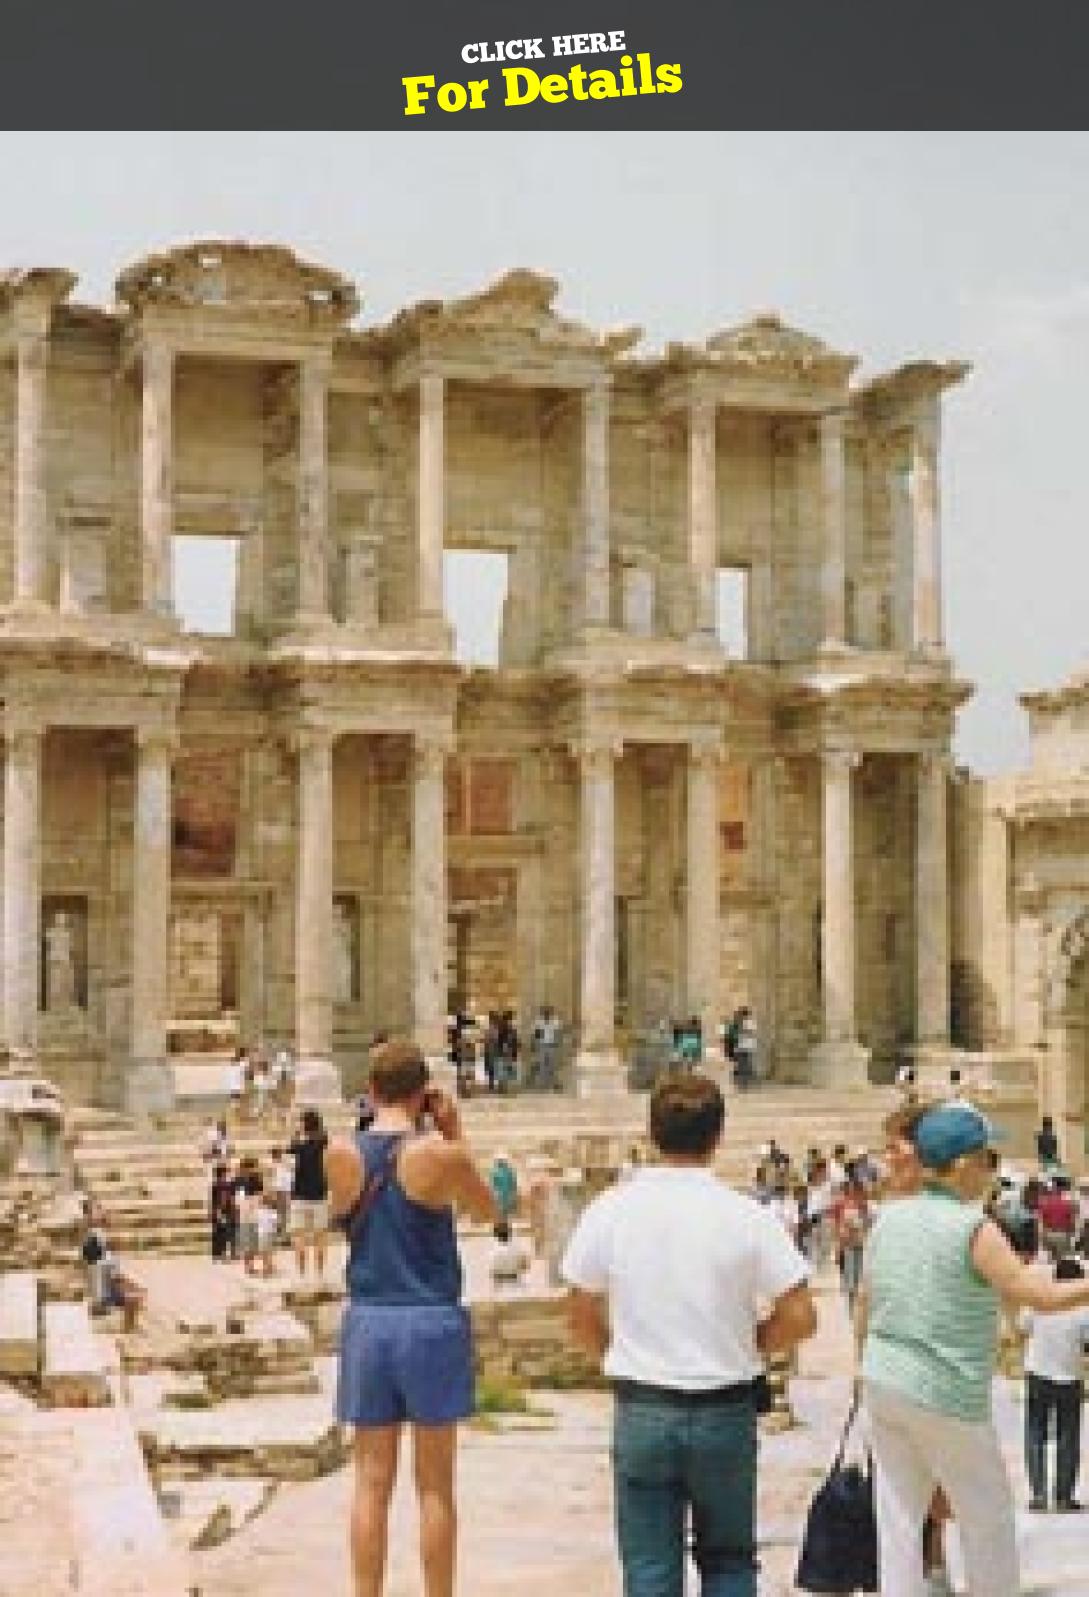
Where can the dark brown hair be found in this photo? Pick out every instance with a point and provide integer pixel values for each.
(687, 1113)
(398, 1071)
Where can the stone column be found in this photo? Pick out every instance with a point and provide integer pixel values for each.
(926, 525)
(597, 1066)
(22, 895)
(428, 897)
(596, 574)
(834, 533)
(317, 1080)
(702, 872)
(702, 516)
(932, 902)
(431, 496)
(31, 506)
(838, 1060)
(157, 478)
(313, 491)
(148, 1084)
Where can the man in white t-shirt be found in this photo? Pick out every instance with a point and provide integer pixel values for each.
(685, 1286)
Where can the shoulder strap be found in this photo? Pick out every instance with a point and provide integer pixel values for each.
(377, 1178)
(852, 1415)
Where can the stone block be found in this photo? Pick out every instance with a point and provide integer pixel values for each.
(74, 1366)
(19, 1345)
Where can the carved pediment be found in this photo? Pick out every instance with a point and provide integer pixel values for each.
(767, 344)
(519, 302)
(46, 285)
(262, 278)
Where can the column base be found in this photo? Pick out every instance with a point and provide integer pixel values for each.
(599, 1073)
(839, 1064)
(147, 1087)
(317, 1081)
(933, 1062)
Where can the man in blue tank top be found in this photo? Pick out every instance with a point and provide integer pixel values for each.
(406, 1349)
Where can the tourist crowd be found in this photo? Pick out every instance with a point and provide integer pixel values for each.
(256, 1207)
(684, 1287)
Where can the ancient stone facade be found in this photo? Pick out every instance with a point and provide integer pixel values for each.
(321, 825)
(1021, 919)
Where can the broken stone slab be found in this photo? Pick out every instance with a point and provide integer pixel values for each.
(19, 1345)
(75, 1367)
(124, 1547)
(277, 1439)
(31, 1126)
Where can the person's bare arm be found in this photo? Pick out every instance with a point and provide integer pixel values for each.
(344, 1173)
(463, 1185)
(793, 1319)
(588, 1321)
(1018, 1283)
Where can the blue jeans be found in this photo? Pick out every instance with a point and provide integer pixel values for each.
(672, 1456)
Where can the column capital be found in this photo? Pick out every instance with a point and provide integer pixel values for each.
(430, 754)
(935, 762)
(157, 359)
(162, 740)
(702, 410)
(304, 740)
(316, 364)
(706, 753)
(23, 739)
(596, 754)
(840, 760)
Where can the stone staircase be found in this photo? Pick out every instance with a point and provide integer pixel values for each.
(152, 1186)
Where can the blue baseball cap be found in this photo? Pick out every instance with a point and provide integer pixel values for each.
(952, 1129)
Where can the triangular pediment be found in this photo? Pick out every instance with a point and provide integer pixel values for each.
(767, 343)
(258, 278)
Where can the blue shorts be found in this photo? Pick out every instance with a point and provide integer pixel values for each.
(397, 1364)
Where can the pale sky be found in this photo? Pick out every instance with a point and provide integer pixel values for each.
(891, 246)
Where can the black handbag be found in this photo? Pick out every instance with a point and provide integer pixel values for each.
(839, 1548)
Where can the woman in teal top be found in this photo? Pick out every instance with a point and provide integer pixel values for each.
(934, 1273)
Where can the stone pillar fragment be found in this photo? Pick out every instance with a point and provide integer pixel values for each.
(31, 507)
(597, 1065)
(702, 512)
(926, 523)
(702, 872)
(431, 495)
(932, 902)
(22, 894)
(157, 478)
(313, 491)
(838, 1060)
(596, 404)
(428, 897)
(149, 1083)
(317, 1078)
(834, 533)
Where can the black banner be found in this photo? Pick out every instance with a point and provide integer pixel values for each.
(586, 64)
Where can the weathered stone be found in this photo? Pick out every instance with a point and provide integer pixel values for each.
(19, 1347)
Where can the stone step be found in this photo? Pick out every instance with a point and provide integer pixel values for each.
(19, 1330)
(75, 1364)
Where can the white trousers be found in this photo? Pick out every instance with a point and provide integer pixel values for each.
(916, 1449)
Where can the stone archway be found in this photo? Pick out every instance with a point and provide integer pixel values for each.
(1066, 1094)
